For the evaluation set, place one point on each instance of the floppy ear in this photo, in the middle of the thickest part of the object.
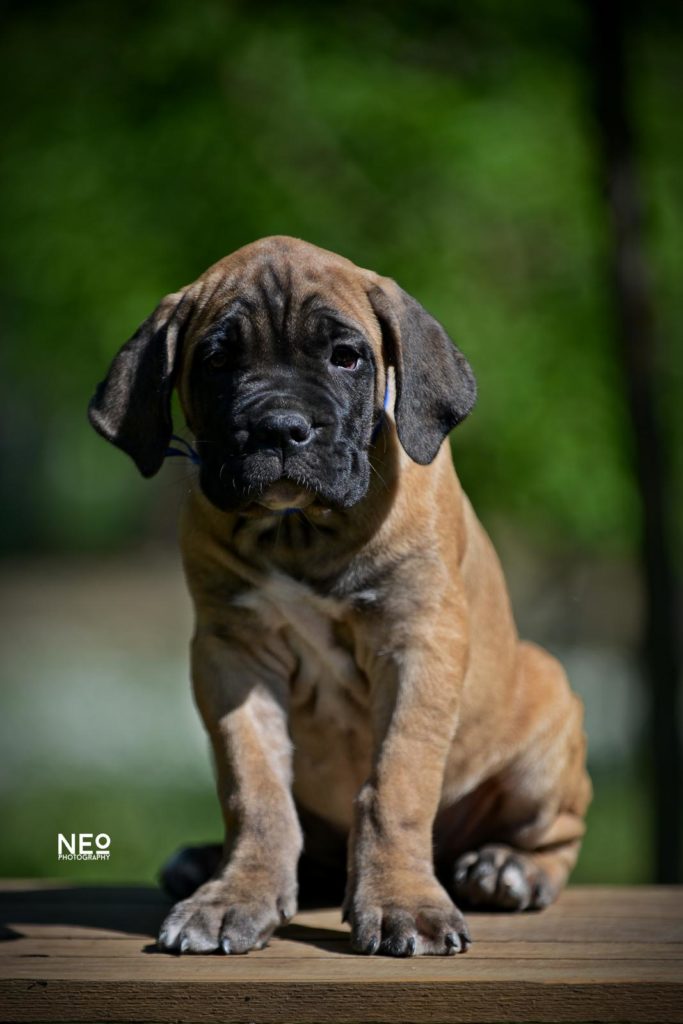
(435, 385)
(132, 406)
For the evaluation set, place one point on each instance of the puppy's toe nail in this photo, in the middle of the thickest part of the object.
(184, 945)
(286, 908)
(411, 946)
(366, 946)
(453, 943)
(226, 947)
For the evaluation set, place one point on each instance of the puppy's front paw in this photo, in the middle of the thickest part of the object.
(406, 924)
(219, 918)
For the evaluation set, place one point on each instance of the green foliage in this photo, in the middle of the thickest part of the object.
(617, 848)
(447, 145)
(146, 824)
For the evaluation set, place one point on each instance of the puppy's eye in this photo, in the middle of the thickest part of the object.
(217, 360)
(345, 357)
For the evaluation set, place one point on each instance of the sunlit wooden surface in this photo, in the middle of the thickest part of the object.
(88, 954)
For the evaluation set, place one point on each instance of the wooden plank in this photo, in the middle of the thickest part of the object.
(87, 954)
(291, 1002)
(58, 888)
(484, 927)
(287, 949)
(255, 968)
(606, 901)
(439, 971)
(282, 948)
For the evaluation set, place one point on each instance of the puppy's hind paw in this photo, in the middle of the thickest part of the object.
(497, 877)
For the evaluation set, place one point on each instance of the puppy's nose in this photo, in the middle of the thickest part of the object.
(283, 429)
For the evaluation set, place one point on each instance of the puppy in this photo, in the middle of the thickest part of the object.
(355, 660)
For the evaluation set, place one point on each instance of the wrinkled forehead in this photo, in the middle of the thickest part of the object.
(282, 293)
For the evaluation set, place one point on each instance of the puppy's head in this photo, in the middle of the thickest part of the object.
(279, 354)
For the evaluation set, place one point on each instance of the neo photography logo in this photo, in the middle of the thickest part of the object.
(83, 846)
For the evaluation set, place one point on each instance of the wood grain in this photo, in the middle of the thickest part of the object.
(87, 954)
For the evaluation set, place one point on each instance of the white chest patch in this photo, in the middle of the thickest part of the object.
(328, 679)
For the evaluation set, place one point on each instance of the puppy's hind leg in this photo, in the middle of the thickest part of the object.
(188, 868)
(499, 876)
(534, 837)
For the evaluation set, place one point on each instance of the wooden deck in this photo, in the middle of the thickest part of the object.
(87, 954)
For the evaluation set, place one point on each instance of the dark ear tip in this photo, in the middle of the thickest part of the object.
(147, 467)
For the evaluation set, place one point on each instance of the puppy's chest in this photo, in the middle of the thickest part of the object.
(327, 682)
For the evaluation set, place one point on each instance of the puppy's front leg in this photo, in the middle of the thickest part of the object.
(394, 903)
(242, 699)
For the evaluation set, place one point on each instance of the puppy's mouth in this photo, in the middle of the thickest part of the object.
(285, 494)
(263, 484)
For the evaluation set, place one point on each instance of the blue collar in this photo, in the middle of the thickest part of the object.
(377, 429)
(186, 451)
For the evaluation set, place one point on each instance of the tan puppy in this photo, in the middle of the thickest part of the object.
(355, 659)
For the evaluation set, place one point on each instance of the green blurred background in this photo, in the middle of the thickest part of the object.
(450, 145)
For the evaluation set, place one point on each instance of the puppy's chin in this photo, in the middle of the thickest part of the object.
(262, 490)
(285, 494)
